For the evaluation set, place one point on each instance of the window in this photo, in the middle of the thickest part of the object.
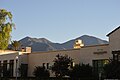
(72, 64)
(99, 64)
(0, 68)
(116, 55)
(4, 68)
(11, 67)
(23, 70)
(47, 65)
(43, 64)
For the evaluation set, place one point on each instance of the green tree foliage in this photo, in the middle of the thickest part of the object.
(112, 70)
(41, 72)
(61, 65)
(16, 45)
(5, 28)
(81, 71)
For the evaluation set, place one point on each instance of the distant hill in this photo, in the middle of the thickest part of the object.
(42, 44)
(87, 40)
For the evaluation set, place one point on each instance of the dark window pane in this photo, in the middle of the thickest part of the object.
(11, 67)
(5, 68)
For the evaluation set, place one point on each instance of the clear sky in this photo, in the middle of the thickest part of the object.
(62, 20)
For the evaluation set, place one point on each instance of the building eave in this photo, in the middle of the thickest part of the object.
(113, 31)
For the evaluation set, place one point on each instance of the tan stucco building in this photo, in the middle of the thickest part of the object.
(93, 55)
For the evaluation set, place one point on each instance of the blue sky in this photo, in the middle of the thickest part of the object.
(62, 20)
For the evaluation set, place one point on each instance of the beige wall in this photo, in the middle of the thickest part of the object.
(23, 59)
(88, 54)
(11, 55)
(8, 57)
(114, 40)
(37, 59)
(83, 55)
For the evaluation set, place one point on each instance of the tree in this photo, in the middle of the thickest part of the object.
(61, 65)
(81, 71)
(41, 72)
(112, 70)
(5, 28)
(16, 45)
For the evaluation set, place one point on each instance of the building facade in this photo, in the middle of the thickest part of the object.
(96, 56)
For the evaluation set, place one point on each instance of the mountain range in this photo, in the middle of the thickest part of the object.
(42, 44)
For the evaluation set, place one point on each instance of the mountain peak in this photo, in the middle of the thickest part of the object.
(27, 38)
(91, 40)
(42, 44)
(84, 36)
(39, 40)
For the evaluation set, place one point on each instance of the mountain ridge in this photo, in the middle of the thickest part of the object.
(43, 44)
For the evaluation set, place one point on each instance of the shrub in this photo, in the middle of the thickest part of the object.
(61, 65)
(41, 72)
(81, 71)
